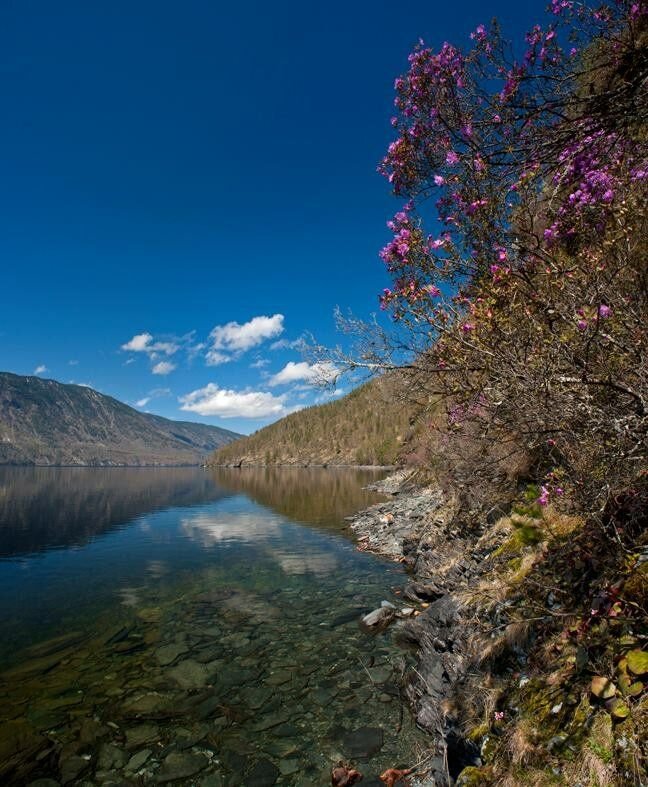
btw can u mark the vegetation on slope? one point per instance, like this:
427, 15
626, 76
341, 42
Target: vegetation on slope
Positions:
525, 318
366, 427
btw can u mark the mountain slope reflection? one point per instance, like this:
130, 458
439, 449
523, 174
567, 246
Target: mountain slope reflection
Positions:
44, 508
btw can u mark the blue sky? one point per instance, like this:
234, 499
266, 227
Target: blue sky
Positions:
188, 188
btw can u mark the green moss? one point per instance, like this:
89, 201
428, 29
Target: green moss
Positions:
474, 777
523, 536
478, 732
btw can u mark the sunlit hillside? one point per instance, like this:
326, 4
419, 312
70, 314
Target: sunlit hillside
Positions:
369, 426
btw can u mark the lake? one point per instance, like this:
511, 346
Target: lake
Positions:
190, 626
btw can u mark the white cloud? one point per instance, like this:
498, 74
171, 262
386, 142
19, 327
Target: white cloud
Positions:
163, 367
234, 337
260, 363
287, 344
156, 393
215, 357
73, 363
143, 343
212, 400
311, 373
139, 343
40, 369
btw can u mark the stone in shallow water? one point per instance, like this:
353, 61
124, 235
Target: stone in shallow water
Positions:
18, 743
137, 760
152, 705
72, 768
110, 757
363, 743
143, 733
381, 673
181, 765
256, 696
189, 674
288, 767
269, 721
212, 780
279, 677
169, 653
263, 774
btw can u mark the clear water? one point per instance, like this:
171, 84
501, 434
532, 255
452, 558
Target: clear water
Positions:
186, 626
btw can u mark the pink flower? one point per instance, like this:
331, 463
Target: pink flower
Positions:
582, 325
467, 327
604, 311
439, 180
452, 158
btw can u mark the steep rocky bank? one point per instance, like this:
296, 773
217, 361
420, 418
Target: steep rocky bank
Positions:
514, 630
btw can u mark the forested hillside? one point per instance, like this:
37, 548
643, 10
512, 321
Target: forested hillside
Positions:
368, 426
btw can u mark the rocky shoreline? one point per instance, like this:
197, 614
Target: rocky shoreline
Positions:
414, 528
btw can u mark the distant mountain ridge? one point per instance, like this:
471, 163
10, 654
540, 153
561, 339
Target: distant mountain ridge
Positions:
369, 426
44, 422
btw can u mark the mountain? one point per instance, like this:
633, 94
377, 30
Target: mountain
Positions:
43, 422
368, 426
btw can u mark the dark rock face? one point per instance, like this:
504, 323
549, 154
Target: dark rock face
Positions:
43, 422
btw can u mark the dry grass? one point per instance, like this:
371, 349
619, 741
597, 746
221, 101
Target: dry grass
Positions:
521, 744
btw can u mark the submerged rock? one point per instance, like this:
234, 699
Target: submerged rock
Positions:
181, 765
263, 774
363, 743
190, 674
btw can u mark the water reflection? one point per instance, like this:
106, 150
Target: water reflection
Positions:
42, 508
311, 495
45, 508
212, 643
246, 527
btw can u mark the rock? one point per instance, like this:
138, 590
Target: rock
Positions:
137, 760
19, 747
378, 618
380, 674
288, 767
143, 733
181, 765
169, 653
363, 743
263, 774
110, 757
151, 705
190, 674
212, 780
415, 591
72, 768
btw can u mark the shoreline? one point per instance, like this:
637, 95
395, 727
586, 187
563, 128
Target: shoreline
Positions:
413, 528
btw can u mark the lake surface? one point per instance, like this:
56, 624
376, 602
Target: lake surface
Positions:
189, 626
